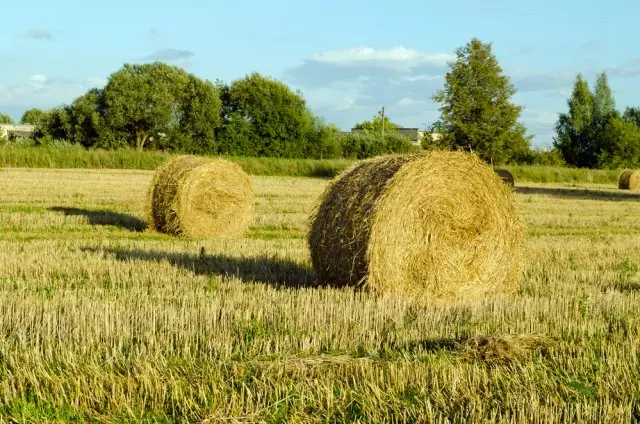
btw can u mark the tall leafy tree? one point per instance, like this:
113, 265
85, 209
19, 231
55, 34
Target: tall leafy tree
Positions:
622, 144
142, 101
86, 118
604, 105
199, 117
265, 116
476, 112
55, 124
32, 116
574, 130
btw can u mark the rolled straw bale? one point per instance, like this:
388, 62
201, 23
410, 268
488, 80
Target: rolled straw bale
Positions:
436, 224
506, 176
201, 197
629, 180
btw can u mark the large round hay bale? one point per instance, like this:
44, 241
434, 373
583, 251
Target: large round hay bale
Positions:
506, 176
201, 197
629, 180
437, 224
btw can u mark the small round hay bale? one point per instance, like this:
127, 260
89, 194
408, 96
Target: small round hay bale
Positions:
506, 176
629, 180
201, 197
435, 225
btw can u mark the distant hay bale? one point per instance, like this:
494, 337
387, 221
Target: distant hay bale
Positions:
436, 224
506, 176
629, 180
201, 197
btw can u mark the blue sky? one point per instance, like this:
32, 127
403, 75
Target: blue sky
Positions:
348, 57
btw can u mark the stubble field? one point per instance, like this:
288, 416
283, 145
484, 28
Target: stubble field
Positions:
103, 320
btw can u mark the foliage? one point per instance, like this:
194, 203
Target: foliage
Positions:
323, 141
263, 117
153, 106
561, 174
141, 102
55, 124
199, 110
85, 119
575, 129
621, 140
476, 112
375, 125
5, 119
604, 105
593, 134
48, 152
362, 145
632, 114
32, 116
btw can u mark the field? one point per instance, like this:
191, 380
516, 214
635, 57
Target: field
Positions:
103, 320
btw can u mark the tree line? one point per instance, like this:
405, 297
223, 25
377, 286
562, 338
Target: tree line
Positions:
162, 107
593, 133
158, 106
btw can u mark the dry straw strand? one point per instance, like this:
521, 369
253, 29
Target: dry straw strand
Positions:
201, 197
506, 176
435, 224
629, 180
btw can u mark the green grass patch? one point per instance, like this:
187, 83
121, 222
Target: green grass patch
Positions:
75, 156
558, 174
71, 156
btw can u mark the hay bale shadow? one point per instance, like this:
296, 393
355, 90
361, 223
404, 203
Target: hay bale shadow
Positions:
586, 194
104, 217
273, 271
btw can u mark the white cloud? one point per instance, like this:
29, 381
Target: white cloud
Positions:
539, 116
95, 82
421, 77
398, 58
346, 103
42, 91
169, 55
408, 101
38, 79
39, 34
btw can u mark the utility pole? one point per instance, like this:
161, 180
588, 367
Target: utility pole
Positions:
382, 113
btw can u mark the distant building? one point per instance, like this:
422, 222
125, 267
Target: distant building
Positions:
16, 132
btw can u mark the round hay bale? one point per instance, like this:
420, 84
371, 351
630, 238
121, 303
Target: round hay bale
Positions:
629, 180
506, 176
437, 224
201, 197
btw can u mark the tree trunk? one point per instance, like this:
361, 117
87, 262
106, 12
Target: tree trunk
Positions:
141, 139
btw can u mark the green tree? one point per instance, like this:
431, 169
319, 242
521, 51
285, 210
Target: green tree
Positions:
323, 142
56, 124
5, 119
32, 116
273, 120
604, 105
142, 102
574, 130
199, 117
476, 112
86, 120
632, 114
622, 141
375, 125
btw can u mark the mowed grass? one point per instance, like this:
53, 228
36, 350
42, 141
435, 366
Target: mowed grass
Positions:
104, 320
